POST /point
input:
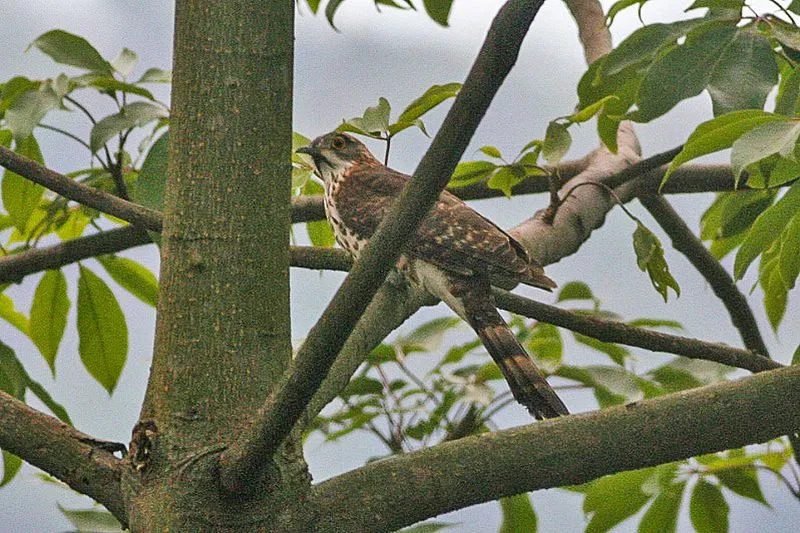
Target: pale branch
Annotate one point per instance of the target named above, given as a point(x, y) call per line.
point(685, 241)
point(246, 456)
point(63, 452)
point(595, 327)
point(619, 332)
point(593, 32)
point(68, 188)
point(401, 490)
point(16, 266)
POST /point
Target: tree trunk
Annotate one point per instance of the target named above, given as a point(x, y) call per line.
point(222, 333)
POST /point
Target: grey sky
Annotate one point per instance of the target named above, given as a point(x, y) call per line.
point(396, 55)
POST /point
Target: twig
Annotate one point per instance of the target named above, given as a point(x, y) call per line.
point(244, 460)
point(610, 331)
point(107, 203)
point(684, 240)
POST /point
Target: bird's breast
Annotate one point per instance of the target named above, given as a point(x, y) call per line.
point(345, 236)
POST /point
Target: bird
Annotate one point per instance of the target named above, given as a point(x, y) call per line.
point(456, 255)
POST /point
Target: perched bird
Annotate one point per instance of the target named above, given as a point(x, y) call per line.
point(453, 255)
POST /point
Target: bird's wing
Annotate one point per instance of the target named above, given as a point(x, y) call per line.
point(452, 236)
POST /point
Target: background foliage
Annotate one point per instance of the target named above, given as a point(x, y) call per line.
point(416, 391)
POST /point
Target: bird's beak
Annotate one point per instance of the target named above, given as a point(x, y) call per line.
point(308, 150)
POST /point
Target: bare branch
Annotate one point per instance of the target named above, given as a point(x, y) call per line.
point(107, 203)
point(597, 328)
point(685, 241)
point(16, 266)
point(611, 331)
point(246, 456)
point(62, 451)
point(558, 452)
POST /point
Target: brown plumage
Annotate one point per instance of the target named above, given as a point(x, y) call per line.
point(455, 254)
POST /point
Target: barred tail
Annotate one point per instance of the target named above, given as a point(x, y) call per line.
point(527, 383)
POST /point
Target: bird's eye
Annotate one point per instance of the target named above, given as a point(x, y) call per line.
point(338, 143)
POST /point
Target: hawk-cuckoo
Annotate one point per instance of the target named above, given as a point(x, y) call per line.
point(453, 255)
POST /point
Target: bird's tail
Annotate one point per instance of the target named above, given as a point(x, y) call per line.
point(527, 382)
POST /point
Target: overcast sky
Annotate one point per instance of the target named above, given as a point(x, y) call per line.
point(396, 55)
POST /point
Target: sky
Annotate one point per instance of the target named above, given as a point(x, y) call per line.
point(396, 55)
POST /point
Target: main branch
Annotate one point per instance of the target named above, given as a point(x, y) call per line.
point(405, 489)
point(246, 456)
point(62, 451)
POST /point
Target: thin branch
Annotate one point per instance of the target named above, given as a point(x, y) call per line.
point(598, 328)
point(107, 203)
point(62, 451)
point(16, 266)
point(610, 331)
point(66, 134)
point(563, 451)
point(243, 461)
point(685, 241)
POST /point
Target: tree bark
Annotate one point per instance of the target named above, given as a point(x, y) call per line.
point(222, 331)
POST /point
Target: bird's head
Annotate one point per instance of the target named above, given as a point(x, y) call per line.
point(334, 152)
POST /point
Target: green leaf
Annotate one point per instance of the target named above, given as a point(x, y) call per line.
point(557, 141)
point(49, 315)
point(13, 88)
point(788, 91)
point(591, 110)
point(546, 346)
point(360, 385)
point(156, 75)
point(611, 499)
point(429, 335)
point(775, 292)
point(111, 85)
point(612, 385)
point(491, 151)
point(744, 74)
point(616, 352)
point(69, 49)
point(438, 10)
point(22, 196)
point(434, 96)
point(575, 290)
point(320, 233)
point(796, 356)
point(655, 323)
point(618, 6)
point(28, 109)
point(125, 62)
point(133, 115)
point(681, 73)
point(92, 520)
point(44, 396)
point(330, 11)
point(766, 228)
point(102, 332)
point(518, 514)
point(11, 465)
point(662, 515)
point(642, 45)
point(762, 141)
point(13, 377)
point(149, 190)
point(504, 179)
point(12, 316)
point(708, 508)
point(743, 481)
point(132, 277)
point(727, 4)
point(471, 172)
point(789, 258)
point(650, 258)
